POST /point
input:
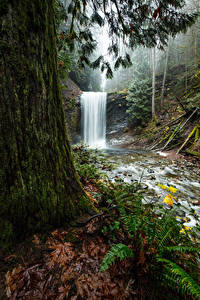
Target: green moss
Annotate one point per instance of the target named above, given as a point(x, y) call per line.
point(38, 182)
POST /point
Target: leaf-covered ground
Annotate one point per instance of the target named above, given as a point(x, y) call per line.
point(65, 263)
point(61, 269)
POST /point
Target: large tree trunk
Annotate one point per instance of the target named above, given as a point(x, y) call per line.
point(38, 182)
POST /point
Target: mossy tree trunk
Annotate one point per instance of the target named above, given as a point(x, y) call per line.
point(38, 182)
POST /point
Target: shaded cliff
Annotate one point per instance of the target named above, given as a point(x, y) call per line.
point(116, 116)
point(71, 100)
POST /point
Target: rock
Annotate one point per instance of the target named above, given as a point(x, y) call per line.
point(143, 186)
point(117, 116)
point(180, 213)
point(196, 202)
point(168, 171)
point(141, 191)
point(150, 171)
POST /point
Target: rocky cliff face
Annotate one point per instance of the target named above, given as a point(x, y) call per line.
point(71, 100)
point(116, 116)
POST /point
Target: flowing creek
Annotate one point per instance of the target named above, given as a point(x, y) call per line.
point(148, 168)
point(152, 169)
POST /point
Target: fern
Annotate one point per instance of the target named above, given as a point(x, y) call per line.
point(155, 232)
point(184, 282)
point(183, 249)
point(117, 251)
point(131, 220)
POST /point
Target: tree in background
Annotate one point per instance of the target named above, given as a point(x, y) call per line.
point(139, 96)
point(164, 76)
point(134, 22)
point(153, 111)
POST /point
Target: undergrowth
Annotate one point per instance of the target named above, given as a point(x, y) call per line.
point(150, 256)
point(163, 257)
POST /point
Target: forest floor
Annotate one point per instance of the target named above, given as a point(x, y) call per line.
point(64, 263)
point(155, 135)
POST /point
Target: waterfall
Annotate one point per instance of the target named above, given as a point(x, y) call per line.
point(93, 114)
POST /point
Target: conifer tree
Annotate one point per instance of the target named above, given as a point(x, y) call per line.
point(38, 183)
point(139, 96)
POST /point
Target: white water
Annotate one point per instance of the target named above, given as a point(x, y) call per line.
point(93, 112)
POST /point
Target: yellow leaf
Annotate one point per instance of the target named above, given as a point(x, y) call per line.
point(186, 219)
point(168, 199)
point(172, 189)
point(164, 187)
point(187, 227)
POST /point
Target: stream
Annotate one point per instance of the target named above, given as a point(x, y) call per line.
point(148, 168)
point(151, 169)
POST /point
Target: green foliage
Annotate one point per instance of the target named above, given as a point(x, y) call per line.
point(139, 97)
point(64, 64)
point(137, 22)
point(177, 278)
point(118, 251)
point(112, 228)
point(73, 57)
point(166, 257)
point(86, 162)
point(87, 171)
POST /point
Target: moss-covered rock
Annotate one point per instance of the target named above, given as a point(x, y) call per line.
point(116, 115)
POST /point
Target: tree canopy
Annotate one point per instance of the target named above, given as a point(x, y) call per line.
point(146, 23)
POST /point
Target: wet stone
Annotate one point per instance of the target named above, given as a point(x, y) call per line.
point(150, 171)
point(180, 213)
point(196, 202)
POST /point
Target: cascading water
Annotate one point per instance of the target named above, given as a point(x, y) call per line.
point(93, 112)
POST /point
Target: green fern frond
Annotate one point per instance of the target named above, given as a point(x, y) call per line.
point(165, 237)
point(184, 281)
point(131, 223)
point(185, 249)
point(118, 251)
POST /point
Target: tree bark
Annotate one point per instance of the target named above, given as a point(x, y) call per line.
point(164, 76)
point(38, 182)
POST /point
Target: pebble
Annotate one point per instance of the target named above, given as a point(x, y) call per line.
point(196, 202)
